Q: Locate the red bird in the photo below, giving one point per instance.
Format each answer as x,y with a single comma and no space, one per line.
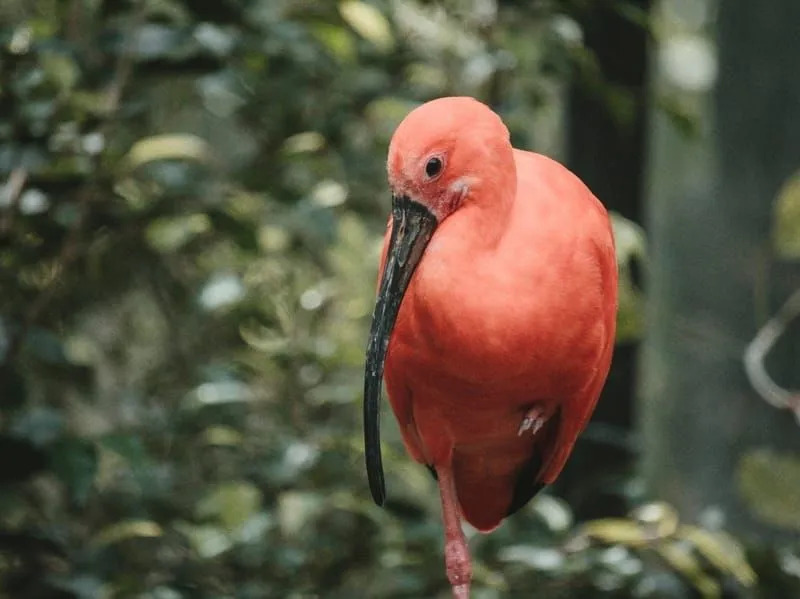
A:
494,319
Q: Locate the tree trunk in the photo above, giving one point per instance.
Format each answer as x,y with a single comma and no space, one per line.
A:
710,441
608,154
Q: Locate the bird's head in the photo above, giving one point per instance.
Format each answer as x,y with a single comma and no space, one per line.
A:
444,155
446,150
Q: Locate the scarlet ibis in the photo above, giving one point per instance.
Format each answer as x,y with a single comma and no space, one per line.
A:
495,316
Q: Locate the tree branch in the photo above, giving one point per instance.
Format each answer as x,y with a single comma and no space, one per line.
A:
756,352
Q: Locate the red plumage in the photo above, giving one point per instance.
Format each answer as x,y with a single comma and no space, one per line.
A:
511,308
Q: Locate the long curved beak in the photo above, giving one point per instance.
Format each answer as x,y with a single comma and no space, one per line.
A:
412,227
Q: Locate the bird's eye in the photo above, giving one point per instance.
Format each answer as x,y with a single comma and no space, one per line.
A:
433,167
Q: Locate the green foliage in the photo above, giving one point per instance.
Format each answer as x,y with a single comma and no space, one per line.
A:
770,483
631,251
786,220
189,227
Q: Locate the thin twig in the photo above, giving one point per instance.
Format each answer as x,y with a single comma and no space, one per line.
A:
756,353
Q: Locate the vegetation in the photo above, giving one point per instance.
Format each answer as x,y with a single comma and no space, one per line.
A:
193,201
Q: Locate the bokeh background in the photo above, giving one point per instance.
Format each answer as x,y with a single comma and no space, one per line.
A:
192,196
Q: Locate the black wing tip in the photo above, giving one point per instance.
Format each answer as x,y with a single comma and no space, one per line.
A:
528,484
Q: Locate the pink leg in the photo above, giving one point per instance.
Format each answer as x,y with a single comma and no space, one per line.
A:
456,552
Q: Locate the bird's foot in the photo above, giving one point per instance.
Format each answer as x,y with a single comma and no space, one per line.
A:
533,420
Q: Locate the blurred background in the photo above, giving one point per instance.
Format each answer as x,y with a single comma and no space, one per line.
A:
192,196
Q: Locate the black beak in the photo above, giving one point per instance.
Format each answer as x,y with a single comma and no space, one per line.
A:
412,227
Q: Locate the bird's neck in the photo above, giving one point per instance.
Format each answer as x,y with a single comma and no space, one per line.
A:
489,209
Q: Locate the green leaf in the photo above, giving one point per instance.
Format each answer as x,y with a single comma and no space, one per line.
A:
152,41
337,40
786,220
61,69
75,462
722,551
169,234
682,117
631,247
181,146
207,541
368,22
615,531
230,504
677,556
128,529
295,509
222,436
770,486
538,558
302,143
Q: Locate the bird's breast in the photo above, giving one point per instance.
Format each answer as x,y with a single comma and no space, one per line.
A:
466,327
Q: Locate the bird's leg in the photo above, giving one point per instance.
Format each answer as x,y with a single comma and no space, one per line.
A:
534,419
456,552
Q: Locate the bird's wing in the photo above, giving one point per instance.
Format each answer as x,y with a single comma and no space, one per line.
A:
577,410
529,482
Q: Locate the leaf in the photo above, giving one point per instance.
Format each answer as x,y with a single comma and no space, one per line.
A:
305,142
685,121
217,40
328,194
181,146
295,508
368,22
538,558
207,541
75,462
219,392
770,485
554,512
629,239
230,504
615,531
221,290
722,551
658,518
61,69
121,453
40,425
630,246
167,235
786,220
690,568
337,40
152,41
129,529
222,436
